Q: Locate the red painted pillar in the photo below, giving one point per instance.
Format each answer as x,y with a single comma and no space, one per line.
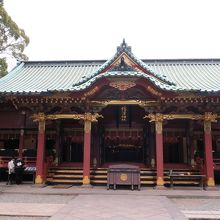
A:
40,152
21,143
159,151
208,154
87,149
57,144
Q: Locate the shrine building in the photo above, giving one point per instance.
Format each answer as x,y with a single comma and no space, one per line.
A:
80,116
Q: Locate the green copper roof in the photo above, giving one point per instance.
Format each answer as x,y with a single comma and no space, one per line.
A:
177,75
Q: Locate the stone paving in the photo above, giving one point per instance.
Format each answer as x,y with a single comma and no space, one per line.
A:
199,207
22,218
29,198
117,207
29,209
27,201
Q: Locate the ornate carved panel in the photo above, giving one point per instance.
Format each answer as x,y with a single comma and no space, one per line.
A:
122,85
129,94
110,93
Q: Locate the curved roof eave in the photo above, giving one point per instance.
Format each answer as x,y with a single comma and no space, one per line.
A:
153,80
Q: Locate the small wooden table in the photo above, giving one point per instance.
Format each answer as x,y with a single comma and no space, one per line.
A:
123,174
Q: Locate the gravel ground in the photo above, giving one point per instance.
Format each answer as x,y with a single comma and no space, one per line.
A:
33,198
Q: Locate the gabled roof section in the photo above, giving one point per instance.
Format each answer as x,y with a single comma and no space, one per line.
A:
126,64
201,76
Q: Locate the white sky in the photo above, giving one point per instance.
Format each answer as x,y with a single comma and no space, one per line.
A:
92,29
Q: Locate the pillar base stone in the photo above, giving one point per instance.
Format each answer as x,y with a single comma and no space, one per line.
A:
210,185
210,182
86,182
39,180
160,183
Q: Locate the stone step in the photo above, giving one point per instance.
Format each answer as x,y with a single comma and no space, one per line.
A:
99,176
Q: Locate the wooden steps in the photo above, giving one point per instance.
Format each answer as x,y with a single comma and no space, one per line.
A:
99,176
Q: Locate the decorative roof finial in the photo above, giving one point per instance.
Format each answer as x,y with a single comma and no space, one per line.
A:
123,43
123,47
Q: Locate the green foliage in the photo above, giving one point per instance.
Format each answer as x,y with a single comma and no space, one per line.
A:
3,67
13,40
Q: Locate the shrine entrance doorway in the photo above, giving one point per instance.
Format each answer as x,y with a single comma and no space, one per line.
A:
123,134
124,148
71,141
72,152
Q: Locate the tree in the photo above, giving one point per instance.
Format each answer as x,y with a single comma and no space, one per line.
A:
13,40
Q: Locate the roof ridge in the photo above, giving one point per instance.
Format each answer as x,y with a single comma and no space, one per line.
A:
181,60
62,61
144,59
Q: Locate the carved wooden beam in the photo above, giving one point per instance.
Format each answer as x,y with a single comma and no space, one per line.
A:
86,117
208,116
125,102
